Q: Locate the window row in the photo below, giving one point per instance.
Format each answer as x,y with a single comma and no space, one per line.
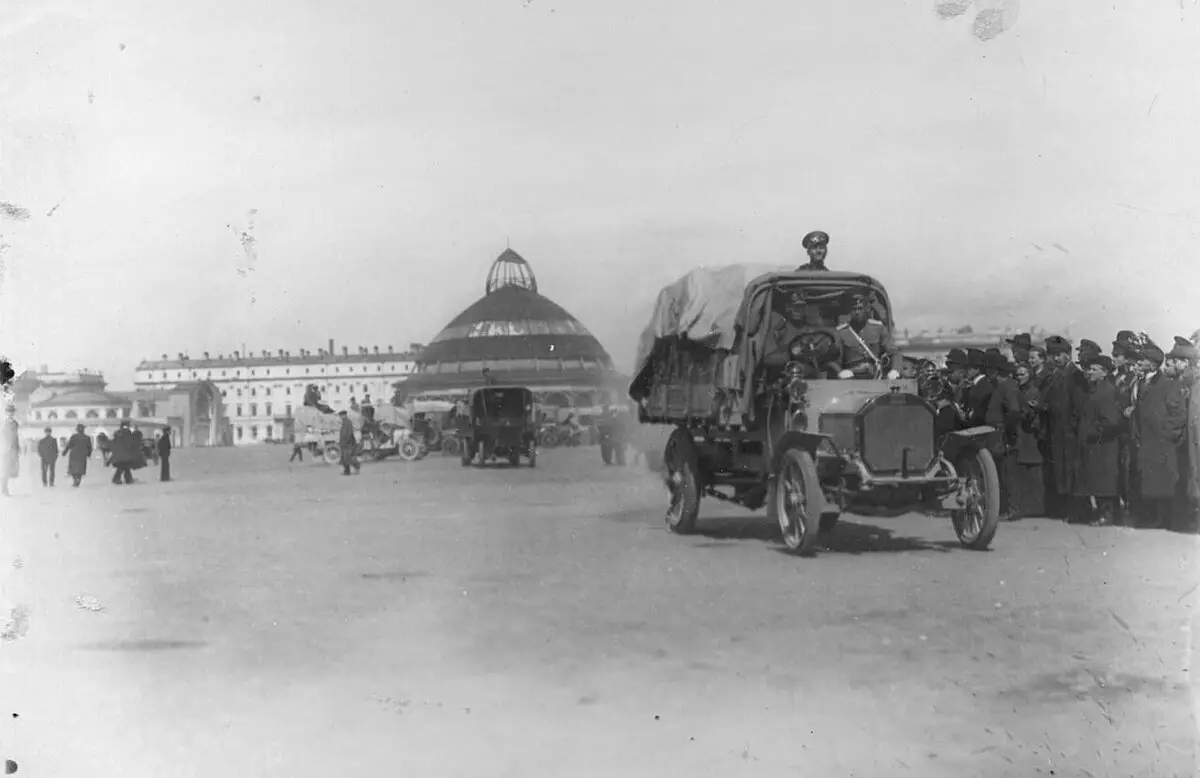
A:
208,374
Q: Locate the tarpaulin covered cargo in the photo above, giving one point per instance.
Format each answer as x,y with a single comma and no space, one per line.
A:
702,306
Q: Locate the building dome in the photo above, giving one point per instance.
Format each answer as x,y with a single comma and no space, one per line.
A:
517,335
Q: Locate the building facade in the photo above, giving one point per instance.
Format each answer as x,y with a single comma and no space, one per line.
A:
259,393
58,401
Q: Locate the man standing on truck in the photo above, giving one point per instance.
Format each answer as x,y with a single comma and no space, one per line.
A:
817,245
864,343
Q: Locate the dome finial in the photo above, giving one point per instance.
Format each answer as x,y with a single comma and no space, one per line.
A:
511,269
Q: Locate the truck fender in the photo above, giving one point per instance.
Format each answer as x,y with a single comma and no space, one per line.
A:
970,439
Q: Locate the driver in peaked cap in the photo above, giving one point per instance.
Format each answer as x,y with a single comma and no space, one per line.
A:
817,245
864,343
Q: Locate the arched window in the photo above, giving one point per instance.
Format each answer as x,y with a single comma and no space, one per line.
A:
71,415
52,415
111,413
92,414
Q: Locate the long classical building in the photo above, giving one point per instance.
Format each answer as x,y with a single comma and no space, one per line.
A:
260,391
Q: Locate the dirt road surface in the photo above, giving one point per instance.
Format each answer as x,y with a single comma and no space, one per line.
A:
258,619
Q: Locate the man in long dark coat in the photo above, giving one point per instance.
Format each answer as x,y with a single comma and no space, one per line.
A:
78,449
1159,422
977,392
1124,358
163,446
1185,361
1064,395
125,454
1100,417
1004,413
1029,482
47,449
348,445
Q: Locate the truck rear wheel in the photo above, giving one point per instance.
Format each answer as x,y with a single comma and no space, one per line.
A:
976,523
333,454
796,500
681,474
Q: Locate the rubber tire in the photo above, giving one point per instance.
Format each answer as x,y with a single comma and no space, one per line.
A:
409,450
333,455
991,495
803,541
828,522
514,457
681,447
606,452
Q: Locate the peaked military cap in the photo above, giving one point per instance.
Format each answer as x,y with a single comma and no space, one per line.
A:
1153,353
956,356
1057,344
815,238
1184,349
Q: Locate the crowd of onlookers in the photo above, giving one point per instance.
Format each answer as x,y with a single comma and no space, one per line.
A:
1083,435
126,451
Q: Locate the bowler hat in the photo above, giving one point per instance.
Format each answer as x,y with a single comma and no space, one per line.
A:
957,357
1021,341
815,238
1125,338
996,361
341,413
976,358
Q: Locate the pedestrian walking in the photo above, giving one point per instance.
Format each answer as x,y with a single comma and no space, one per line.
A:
47,450
10,450
125,454
297,449
348,445
164,455
77,452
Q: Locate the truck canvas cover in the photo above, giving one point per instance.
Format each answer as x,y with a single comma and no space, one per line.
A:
701,306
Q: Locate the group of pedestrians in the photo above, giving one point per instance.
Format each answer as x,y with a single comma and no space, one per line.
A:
124,453
1084,435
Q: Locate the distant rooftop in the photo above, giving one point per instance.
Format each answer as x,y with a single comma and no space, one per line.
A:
327,356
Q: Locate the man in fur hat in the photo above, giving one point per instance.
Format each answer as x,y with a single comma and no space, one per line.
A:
1159,421
1064,396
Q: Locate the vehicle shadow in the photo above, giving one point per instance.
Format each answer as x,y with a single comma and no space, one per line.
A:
846,537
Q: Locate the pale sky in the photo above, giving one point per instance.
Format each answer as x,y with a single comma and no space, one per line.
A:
1047,176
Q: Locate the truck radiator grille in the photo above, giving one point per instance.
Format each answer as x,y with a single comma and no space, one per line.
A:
889,429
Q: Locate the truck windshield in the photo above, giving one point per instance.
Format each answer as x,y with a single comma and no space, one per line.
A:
502,403
824,307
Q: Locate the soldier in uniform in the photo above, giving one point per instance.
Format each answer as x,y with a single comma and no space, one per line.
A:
1124,359
790,316
817,245
864,343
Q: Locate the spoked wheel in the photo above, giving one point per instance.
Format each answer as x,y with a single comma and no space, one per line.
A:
683,482
409,449
976,523
796,500
333,455
450,446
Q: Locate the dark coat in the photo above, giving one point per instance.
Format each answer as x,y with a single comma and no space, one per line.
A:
1159,421
164,445
48,449
124,447
78,449
1004,412
975,401
139,444
1100,420
1064,396
1191,442
1031,430
346,434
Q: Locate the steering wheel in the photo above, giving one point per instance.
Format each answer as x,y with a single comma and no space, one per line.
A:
811,344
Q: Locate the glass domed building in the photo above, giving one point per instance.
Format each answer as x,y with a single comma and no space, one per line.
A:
515,336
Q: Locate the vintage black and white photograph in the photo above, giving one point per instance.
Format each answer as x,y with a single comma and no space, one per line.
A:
602,389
